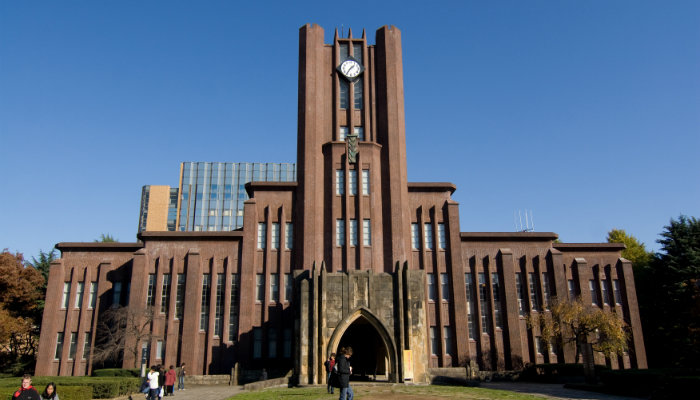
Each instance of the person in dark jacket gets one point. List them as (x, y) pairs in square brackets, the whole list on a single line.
[(344, 371), (329, 372), (26, 392)]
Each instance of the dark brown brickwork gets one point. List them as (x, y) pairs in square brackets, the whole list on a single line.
[(351, 254)]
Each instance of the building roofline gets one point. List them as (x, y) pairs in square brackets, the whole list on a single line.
[(590, 246), (108, 246), (190, 235), (251, 187), (499, 236), (431, 187)]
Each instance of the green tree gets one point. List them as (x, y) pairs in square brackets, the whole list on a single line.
[(106, 238), (43, 263), (635, 251)]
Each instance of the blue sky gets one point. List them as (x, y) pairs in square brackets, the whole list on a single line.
[(585, 112)]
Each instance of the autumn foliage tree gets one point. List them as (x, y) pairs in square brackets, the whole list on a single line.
[(20, 311)]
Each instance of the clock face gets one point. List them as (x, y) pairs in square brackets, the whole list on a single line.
[(350, 68)]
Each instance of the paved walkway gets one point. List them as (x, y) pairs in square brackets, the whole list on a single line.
[(203, 392)]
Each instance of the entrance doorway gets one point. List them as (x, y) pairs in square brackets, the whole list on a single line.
[(370, 358)]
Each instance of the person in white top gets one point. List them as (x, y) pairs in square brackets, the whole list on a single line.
[(153, 388)]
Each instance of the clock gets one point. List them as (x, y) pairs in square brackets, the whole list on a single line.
[(350, 68)]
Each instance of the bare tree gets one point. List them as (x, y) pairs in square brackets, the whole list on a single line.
[(122, 330)]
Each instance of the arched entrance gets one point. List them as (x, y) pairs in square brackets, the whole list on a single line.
[(374, 352)]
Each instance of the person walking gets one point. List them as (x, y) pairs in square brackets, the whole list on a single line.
[(329, 364), (170, 381), (344, 371), (50, 392), (26, 391), (153, 388), (181, 377)]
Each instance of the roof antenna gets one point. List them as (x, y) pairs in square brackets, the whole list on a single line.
[(342, 31)]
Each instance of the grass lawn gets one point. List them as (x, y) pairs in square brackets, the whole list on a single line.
[(387, 392)]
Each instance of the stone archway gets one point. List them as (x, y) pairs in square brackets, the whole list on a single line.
[(374, 350)]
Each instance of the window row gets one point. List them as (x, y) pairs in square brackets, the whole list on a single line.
[(357, 130), (428, 236), (78, 303), (274, 288), (275, 235), (73, 345), (340, 232), (352, 182), (446, 341), (271, 343)]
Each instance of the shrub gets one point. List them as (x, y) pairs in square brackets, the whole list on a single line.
[(133, 372)]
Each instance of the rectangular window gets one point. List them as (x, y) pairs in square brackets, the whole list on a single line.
[(66, 295), (429, 236), (204, 314), (442, 239), (262, 235), (360, 132), (539, 345), (343, 133), (344, 94), (289, 236), (365, 182), (274, 288), (470, 305), (59, 346), (594, 292), (271, 343), (287, 350), (257, 342), (259, 288), (496, 291), (432, 287), (339, 182), (86, 346), (434, 350), (415, 236), (352, 176), (79, 294), (73, 345), (235, 306), (275, 235), (447, 335), (93, 294), (358, 92), (160, 350), (445, 287), (521, 293), (534, 304), (605, 292), (572, 289), (484, 302), (116, 294), (618, 292), (340, 232), (545, 289), (219, 316), (180, 296), (366, 233), (288, 287), (165, 294), (150, 297), (353, 232)]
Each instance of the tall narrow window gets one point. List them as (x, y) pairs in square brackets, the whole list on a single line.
[(605, 292), (594, 292), (434, 345), (357, 52), (496, 291), (66, 295), (447, 335), (484, 301), (429, 236), (259, 288), (343, 133), (219, 316), (445, 286), (360, 132), (546, 291), (235, 306), (86, 345), (617, 291), (353, 232), (365, 182), (572, 289), (432, 287), (262, 235), (352, 176), (534, 304), (287, 287), (521, 293), (340, 232), (180, 296), (539, 345), (359, 90), (73, 345), (160, 350), (366, 233), (204, 314), (271, 343), (59, 346), (415, 236), (442, 239), (257, 342), (165, 294), (274, 288), (470, 305), (79, 294), (287, 350), (93, 294), (150, 297), (344, 93), (339, 182), (289, 236), (275, 238), (116, 294)]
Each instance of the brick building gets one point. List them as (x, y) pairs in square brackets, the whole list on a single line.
[(349, 254)]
